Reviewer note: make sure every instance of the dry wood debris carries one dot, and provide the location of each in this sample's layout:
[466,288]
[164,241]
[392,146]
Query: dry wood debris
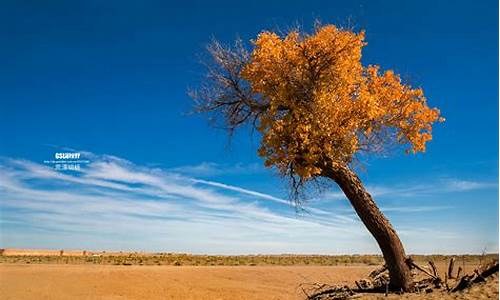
[378,282]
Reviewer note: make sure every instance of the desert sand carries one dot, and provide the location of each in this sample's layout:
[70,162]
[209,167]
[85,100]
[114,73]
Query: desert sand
[55,281]
[163,282]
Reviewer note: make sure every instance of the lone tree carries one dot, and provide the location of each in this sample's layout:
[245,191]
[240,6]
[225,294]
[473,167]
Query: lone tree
[317,108]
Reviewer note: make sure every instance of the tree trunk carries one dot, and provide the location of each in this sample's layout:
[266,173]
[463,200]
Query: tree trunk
[377,224]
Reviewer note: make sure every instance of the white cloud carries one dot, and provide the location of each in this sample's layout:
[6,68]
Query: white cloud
[205,169]
[413,209]
[243,191]
[115,204]
[419,189]
[157,209]
[457,185]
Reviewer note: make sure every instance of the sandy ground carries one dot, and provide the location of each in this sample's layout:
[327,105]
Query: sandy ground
[488,290]
[163,282]
[170,282]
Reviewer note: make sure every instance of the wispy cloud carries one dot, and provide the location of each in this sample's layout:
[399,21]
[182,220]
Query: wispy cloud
[435,187]
[205,169]
[414,209]
[243,191]
[113,203]
[158,209]
[456,185]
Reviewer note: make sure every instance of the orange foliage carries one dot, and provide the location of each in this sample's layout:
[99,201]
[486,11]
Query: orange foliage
[324,105]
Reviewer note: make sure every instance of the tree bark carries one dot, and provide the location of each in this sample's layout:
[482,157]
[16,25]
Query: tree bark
[376,223]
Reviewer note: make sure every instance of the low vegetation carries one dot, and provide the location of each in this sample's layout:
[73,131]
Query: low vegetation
[176,259]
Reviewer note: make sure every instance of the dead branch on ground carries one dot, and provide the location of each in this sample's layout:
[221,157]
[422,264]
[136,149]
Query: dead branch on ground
[378,282]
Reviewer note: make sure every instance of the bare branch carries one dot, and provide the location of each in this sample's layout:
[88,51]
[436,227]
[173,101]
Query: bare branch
[224,94]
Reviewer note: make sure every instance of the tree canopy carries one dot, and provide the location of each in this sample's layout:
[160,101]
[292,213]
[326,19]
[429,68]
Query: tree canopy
[313,101]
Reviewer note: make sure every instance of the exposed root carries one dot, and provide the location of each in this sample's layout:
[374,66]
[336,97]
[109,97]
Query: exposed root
[378,282]
[327,292]
[478,276]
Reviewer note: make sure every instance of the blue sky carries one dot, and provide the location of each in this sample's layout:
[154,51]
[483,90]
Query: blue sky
[110,80]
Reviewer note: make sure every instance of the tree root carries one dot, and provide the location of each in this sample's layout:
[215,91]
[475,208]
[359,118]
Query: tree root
[378,282]
[478,276]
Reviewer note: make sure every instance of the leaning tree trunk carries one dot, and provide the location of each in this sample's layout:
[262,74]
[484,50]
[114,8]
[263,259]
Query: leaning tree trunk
[377,224]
